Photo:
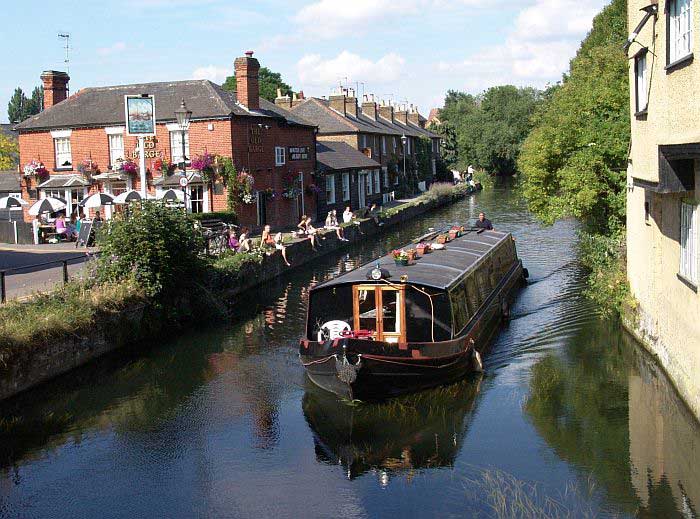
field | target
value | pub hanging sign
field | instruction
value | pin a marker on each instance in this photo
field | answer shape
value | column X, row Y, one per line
column 298, row 153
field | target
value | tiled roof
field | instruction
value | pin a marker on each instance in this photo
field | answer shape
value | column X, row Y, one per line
column 64, row 181
column 9, row 181
column 103, row 106
column 339, row 155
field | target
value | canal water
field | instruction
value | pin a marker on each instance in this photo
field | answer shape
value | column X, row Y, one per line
column 571, row 418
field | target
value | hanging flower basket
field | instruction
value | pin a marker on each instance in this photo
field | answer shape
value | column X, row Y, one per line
column 205, row 165
column 35, row 167
column 88, row 168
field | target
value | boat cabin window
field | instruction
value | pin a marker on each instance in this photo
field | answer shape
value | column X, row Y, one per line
column 466, row 299
column 380, row 310
column 332, row 304
column 423, row 322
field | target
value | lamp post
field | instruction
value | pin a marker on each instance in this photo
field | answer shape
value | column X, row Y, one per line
column 183, row 116
column 403, row 143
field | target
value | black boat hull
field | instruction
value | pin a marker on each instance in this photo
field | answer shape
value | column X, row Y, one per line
column 357, row 369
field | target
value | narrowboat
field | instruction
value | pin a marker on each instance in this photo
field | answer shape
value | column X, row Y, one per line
column 396, row 326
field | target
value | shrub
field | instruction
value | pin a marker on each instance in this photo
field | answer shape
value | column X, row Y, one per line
column 156, row 245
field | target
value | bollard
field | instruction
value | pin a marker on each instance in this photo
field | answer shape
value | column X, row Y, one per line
column 65, row 271
column 3, row 296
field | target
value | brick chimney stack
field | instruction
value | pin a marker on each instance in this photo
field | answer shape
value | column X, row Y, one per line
column 55, row 87
column 369, row 107
column 298, row 98
column 387, row 112
column 247, row 87
column 344, row 101
column 414, row 116
column 401, row 115
column 283, row 100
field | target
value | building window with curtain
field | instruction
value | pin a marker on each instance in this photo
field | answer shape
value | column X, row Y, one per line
column 116, row 148
column 689, row 242
column 64, row 158
column 377, row 184
column 385, row 171
column 280, row 158
column 176, row 146
column 368, row 182
column 330, row 189
column 346, row 186
column 680, row 29
column 383, row 144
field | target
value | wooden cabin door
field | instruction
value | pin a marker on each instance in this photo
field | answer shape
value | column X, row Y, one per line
column 381, row 310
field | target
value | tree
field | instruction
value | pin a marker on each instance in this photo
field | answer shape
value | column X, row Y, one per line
column 269, row 83
column 19, row 107
column 8, row 152
column 489, row 128
column 574, row 160
column 448, row 144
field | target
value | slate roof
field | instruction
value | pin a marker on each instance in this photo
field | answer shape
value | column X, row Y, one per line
column 104, row 106
column 9, row 181
column 340, row 155
column 64, row 181
column 328, row 120
column 439, row 269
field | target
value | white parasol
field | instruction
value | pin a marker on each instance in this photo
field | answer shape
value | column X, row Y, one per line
column 49, row 204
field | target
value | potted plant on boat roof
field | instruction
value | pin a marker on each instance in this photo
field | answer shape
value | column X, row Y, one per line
column 422, row 248
column 411, row 253
column 400, row 257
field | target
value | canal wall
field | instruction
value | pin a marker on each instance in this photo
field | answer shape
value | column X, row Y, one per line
column 31, row 366
column 671, row 359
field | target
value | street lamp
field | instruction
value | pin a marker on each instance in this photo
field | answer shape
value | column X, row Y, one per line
column 403, row 143
column 183, row 116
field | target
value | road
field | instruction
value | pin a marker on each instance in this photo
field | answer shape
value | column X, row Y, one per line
column 20, row 283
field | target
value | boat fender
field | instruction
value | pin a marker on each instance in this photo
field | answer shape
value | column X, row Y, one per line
column 526, row 273
column 477, row 365
column 505, row 309
column 347, row 372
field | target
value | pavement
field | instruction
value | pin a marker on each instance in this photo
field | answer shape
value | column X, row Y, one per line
column 39, row 268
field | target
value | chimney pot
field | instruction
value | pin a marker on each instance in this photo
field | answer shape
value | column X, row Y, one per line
column 249, row 53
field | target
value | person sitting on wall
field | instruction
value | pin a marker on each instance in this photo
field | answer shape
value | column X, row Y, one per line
column 349, row 216
column 232, row 240
column 332, row 225
column 373, row 213
column 244, row 240
column 307, row 229
column 267, row 241
column 484, row 223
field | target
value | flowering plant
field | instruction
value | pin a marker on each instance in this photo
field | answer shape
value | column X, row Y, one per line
column 35, row 167
column 248, row 198
column 164, row 166
column 399, row 254
column 313, row 189
column 290, row 186
column 87, row 167
column 204, row 162
column 127, row 166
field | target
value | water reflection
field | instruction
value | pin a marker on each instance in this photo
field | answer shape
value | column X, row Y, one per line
column 406, row 434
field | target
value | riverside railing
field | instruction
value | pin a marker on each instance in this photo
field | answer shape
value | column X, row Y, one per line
column 38, row 276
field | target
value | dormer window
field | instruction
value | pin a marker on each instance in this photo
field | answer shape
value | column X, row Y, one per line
column 641, row 82
column 680, row 30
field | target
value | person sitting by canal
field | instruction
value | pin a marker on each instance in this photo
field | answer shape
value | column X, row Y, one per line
column 484, row 223
column 267, row 241
column 71, row 228
column 244, row 240
column 332, row 225
column 233, row 242
column 373, row 213
column 97, row 218
column 349, row 216
column 307, row 229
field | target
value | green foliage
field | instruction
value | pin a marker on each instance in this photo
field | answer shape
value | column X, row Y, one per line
column 71, row 310
column 156, row 245
column 607, row 283
column 19, row 107
column 448, row 144
column 488, row 129
column 574, row 160
column 8, row 152
column 423, row 153
column 268, row 81
column 229, row 174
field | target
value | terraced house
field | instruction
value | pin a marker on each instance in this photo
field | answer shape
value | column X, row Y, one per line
column 394, row 138
column 663, row 180
column 82, row 144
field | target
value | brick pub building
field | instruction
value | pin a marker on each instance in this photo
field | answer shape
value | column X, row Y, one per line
column 265, row 140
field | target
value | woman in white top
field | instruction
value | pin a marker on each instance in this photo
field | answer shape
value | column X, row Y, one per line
column 332, row 224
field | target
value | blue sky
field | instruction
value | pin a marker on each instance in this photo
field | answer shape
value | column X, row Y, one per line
column 412, row 51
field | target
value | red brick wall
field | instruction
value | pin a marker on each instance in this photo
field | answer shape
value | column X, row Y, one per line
column 227, row 138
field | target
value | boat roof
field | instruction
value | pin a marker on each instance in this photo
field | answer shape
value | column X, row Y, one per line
column 439, row 269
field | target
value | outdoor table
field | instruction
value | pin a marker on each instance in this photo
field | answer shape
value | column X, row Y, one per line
column 44, row 230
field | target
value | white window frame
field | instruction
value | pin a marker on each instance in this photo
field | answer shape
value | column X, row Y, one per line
column 368, row 183
column 396, row 143
column 363, row 141
column 176, row 146
column 116, row 147
column 191, row 198
column 641, row 84
column 680, row 30
column 346, row 186
column 385, row 173
column 383, row 144
column 64, row 155
column 377, row 182
column 280, row 156
column 688, row 268
column 330, row 189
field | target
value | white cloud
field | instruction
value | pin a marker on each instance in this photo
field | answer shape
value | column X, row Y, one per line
column 212, row 73
column 315, row 71
column 115, row 48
